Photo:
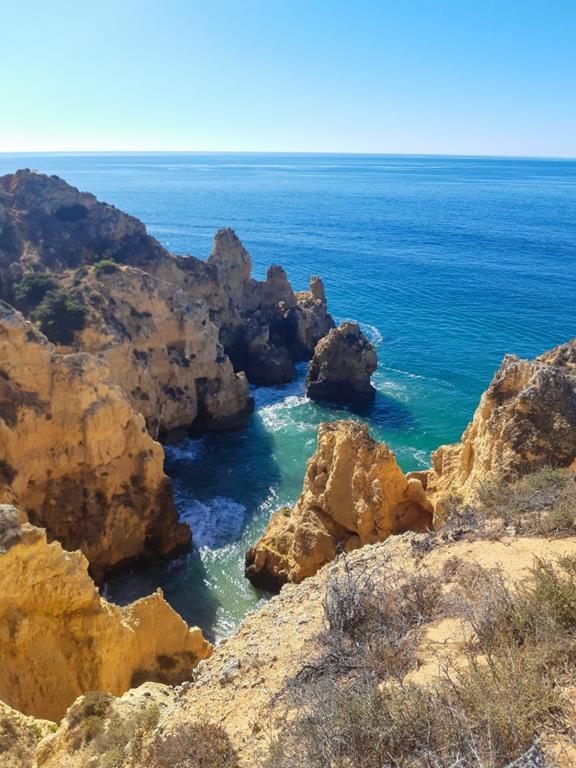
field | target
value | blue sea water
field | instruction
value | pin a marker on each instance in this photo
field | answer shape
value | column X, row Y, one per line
column 447, row 262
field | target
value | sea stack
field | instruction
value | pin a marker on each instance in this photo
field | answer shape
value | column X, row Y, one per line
column 341, row 367
column 354, row 493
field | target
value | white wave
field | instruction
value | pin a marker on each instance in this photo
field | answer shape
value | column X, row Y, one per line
column 371, row 331
column 216, row 523
column 282, row 415
column 187, row 450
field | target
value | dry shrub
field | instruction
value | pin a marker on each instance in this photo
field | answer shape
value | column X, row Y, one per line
column 490, row 712
column 540, row 504
column 371, row 623
column 193, row 745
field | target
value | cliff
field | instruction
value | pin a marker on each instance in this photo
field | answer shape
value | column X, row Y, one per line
column 48, row 228
column 162, row 348
column 59, row 638
column 526, row 419
column 341, row 367
column 354, row 493
column 239, row 694
column 76, row 457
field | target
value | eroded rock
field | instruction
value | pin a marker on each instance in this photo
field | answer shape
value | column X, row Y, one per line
column 76, row 457
column 341, row 367
column 354, row 493
column 59, row 638
column 526, row 419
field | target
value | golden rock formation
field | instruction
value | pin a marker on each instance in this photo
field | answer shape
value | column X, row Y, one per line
column 526, row 419
column 59, row 638
column 354, row 493
column 163, row 350
column 76, row 457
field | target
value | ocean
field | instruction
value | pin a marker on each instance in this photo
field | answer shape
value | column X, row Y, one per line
column 448, row 263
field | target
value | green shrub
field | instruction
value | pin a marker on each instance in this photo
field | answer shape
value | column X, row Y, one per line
column 59, row 317
column 105, row 267
column 32, row 288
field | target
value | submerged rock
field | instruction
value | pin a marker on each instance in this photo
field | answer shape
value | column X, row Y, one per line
column 341, row 367
column 526, row 419
column 354, row 493
column 76, row 457
column 59, row 638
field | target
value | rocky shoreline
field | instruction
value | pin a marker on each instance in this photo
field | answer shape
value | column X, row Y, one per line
column 110, row 345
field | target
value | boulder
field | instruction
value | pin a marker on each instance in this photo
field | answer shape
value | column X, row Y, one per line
column 341, row 367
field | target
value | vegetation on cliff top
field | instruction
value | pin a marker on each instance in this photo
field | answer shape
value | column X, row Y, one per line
column 503, row 700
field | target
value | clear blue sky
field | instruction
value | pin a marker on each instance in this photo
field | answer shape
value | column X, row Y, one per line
column 414, row 76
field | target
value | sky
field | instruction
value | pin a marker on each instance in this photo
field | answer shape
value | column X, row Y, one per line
column 480, row 77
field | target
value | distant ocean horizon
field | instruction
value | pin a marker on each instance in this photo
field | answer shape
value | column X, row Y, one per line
column 448, row 263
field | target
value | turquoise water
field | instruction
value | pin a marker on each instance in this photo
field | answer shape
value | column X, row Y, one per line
column 448, row 263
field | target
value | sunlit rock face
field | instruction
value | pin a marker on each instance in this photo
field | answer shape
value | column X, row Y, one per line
column 76, row 457
column 59, row 638
column 354, row 493
column 526, row 419
column 262, row 328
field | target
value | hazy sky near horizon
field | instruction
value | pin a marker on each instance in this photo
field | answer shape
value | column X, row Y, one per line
column 494, row 77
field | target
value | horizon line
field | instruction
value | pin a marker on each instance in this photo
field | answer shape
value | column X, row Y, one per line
column 116, row 152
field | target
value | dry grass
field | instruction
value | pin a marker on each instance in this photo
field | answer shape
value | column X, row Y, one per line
column 539, row 504
column 491, row 711
column 193, row 745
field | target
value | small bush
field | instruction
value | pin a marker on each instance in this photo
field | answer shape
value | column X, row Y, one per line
column 371, row 623
column 105, row 267
column 542, row 503
column 194, row 745
column 32, row 288
column 59, row 317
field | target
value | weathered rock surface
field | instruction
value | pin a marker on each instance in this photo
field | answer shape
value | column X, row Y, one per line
column 238, row 687
column 76, row 457
column 526, row 419
column 341, row 367
column 19, row 737
column 263, row 326
column 162, row 349
column 59, row 638
column 354, row 493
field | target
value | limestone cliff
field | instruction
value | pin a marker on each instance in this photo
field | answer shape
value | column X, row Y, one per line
column 238, row 688
column 162, row 348
column 354, row 493
column 59, row 638
column 76, row 457
column 526, row 419
column 264, row 327
column 341, row 367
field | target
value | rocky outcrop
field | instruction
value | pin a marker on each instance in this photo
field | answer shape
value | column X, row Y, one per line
column 354, row 493
column 20, row 736
column 240, row 687
column 76, row 457
column 341, row 367
column 59, row 638
column 526, row 419
column 264, row 327
column 162, row 348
